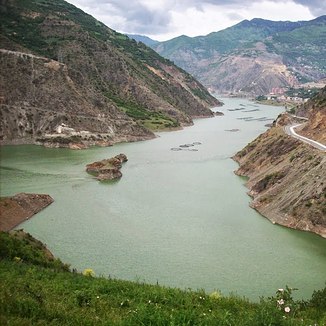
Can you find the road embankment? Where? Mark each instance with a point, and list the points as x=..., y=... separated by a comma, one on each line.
x=287, y=180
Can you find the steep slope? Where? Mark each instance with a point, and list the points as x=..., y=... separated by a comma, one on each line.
x=39, y=94
x=287, y=177
x=254, y=56
x=87, y=76
x=315, y=111
x=224, y=41
x=144, y=39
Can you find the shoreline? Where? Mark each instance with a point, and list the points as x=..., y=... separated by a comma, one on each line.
x=275, y=216
x=83, y=144
x=276, y=166
x=18, y=208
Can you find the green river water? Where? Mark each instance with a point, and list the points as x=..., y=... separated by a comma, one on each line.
x=179, y=218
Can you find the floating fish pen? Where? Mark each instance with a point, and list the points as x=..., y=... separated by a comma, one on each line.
x=186, y=147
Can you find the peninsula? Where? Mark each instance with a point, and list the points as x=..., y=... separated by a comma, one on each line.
x=20, y=207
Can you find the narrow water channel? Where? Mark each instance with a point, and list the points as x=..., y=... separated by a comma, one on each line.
x=179, y=218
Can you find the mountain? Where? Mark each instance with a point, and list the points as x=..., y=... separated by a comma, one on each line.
x=62, y=70
x=144, y=39
x=253, y=57
x=286, y=176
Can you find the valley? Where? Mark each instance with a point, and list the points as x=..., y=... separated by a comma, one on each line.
x=154, y=219
x=220, y=216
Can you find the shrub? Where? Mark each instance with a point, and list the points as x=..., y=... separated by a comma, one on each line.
x=88, y=272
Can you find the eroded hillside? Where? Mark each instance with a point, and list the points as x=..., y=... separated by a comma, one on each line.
x=38, y=95
x=315, y=111
x=86, y=76
x=287, y=178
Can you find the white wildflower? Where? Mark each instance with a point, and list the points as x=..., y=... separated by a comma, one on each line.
x=280, y=302
x=287, y=309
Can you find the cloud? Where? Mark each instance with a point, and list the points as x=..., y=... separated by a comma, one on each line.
x=127, y=16
x=164, y=19
x=317, y=7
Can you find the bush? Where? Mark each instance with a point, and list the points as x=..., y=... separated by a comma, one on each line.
x=22, y=247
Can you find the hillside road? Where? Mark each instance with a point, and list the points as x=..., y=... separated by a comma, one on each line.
x=291, y=132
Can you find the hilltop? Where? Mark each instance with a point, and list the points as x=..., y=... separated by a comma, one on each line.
x=144, y=39
x=62, y=68
x=253, y=57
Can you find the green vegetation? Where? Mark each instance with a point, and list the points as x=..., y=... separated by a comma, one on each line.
x=108, y=64
x=199, y=93
x=304, y=46
x=22, y=247
x=243, y=35
x=302, y=92
x=269, y=180
x=300, y=45
x=34, y=291
x=150, y=119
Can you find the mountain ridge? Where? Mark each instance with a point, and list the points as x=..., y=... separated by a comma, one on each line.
x=142, y=38
x=294, y=48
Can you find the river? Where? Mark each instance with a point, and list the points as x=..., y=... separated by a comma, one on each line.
x=179, y=218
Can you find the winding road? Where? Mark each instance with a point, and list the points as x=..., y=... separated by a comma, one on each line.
x=291, y=132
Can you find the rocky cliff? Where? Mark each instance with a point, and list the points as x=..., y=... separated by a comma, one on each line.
x=287, y=178
x=315, y=111
x=61, y=66
x=38, y=95
x=20, y=207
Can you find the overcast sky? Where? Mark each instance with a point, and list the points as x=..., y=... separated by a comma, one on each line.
x=165, y=19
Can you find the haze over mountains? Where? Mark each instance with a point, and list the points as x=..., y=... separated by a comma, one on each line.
x=253, y=57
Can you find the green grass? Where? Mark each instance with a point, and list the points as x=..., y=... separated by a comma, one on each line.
x=36, y=292
x=150, y=119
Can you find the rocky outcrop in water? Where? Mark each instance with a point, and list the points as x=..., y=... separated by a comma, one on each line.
x=16, y=209
x=107, y=169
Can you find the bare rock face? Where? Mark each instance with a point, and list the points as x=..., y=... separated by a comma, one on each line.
x=286, y=179
x=107, y=169
x=16, y=209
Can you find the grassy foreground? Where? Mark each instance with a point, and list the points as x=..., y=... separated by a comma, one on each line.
x=37, y=289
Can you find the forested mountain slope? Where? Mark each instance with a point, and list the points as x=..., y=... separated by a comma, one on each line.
x=253, y=57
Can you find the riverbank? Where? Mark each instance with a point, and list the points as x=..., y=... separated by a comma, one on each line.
x=20, y=207
x=172, y=213
x=286, y=180
x=36, y=288
x=76, y=141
